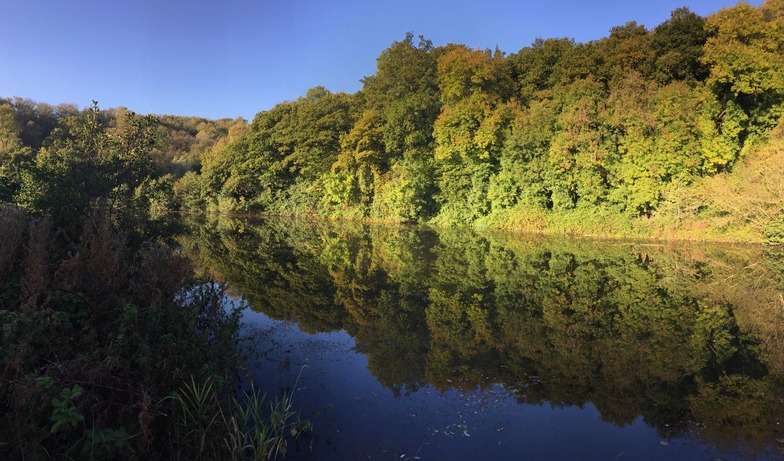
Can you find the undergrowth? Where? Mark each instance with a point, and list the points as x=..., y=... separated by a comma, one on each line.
x=111, y=350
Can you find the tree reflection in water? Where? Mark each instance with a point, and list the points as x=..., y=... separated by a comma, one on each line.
x=689, y=337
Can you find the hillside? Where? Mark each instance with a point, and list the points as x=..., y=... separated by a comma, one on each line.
x=674, y=132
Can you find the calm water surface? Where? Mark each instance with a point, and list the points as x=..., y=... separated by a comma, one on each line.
x=411, y=343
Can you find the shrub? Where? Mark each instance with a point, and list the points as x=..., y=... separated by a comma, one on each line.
x=97, y=336
x=774, y=232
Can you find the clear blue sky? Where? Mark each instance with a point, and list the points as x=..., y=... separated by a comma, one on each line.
x=229, y=58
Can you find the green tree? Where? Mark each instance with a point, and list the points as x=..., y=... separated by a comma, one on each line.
x=404, y=91
x=745, y=53
x=470, y=131
x=638, y=169
x=11, y=153
x=10, y=130
x=678, y=43
x=744, y=50
x=524, y=161
x=84, y=165
x=363, y=158
x=407, y=191
x=533, y=66
x=628, y=48
x=294, y=143
x=580, y=147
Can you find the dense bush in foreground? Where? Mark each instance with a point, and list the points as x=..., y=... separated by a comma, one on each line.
x=112, y=350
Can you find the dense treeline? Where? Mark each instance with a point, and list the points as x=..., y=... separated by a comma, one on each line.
x=689, y=340
x=64, y=161
x=673, y=132
x=644, y=132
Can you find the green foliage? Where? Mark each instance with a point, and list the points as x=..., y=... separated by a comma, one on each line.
x=627, y=49
x=752, y=193
x=98, y=334
x=64, y=411
x=187, y=192
x=546, y=64
x=406, y=192
x=106, y=442
x=85, y=164
x=578, y=148
x=363, y=158
x=340, y=189
x=182, y=142
x=33, y=123
x=628, y=127
x=99, y=326
x=463, y=72
x=294, y=141
x=743, y=51
x=404, y=91
x=158, y=194
x=9, y=128
x=774, y=232
x=678, y=43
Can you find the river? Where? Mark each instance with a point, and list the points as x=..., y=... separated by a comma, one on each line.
x=418, y=343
